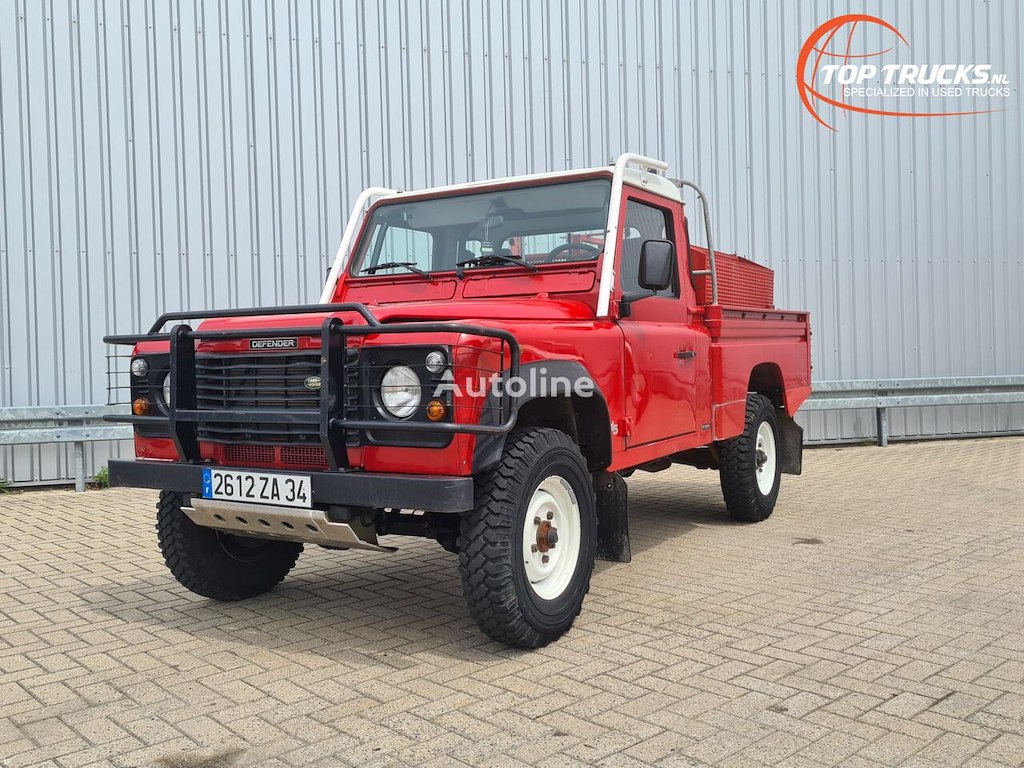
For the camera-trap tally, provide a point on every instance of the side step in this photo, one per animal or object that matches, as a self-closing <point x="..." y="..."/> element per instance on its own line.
<point x="309" y="526"/>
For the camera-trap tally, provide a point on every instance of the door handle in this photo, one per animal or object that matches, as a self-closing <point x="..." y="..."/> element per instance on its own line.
<point x="686" y="354"/>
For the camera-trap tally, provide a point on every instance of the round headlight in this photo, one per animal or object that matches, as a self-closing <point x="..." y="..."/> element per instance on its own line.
<point x="166" y="389"/>
<point x="400" y="391"/>
<point x="140" y="367"/>
<point x="435" y="361"/>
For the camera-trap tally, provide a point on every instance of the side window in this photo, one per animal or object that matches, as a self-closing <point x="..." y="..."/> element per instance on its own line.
<point x="402" y="244"/>
<point x="643" y="222"/>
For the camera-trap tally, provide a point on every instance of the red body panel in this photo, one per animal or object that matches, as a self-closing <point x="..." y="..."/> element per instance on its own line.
<point x="661" y="399"/>
<point x="742" y="340"/>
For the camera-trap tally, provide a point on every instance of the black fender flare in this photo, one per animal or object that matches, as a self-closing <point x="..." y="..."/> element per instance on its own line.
<point x="548" y="376"/>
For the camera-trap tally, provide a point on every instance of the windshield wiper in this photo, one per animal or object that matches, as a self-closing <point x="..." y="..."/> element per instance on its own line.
<point x="411" y="266"/>
<point x="493" y="259"/>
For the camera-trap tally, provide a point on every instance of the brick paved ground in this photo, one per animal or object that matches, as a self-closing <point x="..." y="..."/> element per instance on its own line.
<point x="877" y="619"/>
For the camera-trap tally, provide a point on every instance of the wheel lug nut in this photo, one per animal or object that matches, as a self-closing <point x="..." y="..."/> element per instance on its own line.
<point x="551" y="515"/>
<point x="544" y="559"/>
<point x="536" y="521"/>
<point x="533" y="547"/>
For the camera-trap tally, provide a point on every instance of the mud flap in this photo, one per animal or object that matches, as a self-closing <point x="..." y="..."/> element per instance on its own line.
<point x="612" y="517"/>
<point x="792" y="449"/>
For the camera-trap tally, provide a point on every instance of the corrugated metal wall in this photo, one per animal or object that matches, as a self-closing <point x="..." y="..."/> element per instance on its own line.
<point x="165" y="155"/>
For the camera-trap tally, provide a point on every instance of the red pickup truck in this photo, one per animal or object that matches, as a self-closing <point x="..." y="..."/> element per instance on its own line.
<point x="486" y="364"/>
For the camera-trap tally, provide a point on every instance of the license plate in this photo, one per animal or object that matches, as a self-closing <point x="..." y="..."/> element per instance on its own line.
<point x="257" y="487"/>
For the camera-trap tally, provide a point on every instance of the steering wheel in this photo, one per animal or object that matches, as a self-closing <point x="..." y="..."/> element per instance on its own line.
<point x="592" y="251"/>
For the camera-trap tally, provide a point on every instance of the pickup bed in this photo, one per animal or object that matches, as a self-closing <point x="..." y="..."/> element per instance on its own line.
<point x="486" y="365"/>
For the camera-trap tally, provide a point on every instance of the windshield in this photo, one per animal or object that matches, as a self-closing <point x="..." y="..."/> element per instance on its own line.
<point x="549" y="224"/>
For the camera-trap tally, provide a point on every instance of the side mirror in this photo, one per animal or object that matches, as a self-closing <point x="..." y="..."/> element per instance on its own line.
<point x="656" y="260"/>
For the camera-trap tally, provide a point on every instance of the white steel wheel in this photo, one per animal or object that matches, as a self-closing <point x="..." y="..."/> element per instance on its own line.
<point x="765" y="458"/>
<point x="749" y="464"/>
<point x="551" y="537"/>
<point x="526" y="549"/>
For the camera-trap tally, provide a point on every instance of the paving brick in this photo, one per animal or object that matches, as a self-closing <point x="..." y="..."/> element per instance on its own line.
<point x="905" y="705"/>
<point x="1006" y="748"/>
<point x="950" y="749"/>
<point x="892" y="748"/>
<point x="872" y="621"/>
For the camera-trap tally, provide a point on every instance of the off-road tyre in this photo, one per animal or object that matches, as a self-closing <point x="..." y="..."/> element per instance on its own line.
<point x="218" y="565"/>
<point x="745" y="498"/>
<point x="501" y="598"/>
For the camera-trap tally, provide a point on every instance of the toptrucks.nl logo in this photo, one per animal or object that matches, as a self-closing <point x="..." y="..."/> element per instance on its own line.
<point x="834" y="70"/>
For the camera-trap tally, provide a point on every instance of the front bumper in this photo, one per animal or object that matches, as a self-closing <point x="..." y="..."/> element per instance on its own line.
<point x="352" y="488"/>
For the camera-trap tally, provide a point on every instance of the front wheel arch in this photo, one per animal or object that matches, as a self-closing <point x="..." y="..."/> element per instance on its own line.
<point x="586" y="420"/>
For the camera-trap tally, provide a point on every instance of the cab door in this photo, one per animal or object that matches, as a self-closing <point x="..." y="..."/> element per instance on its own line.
<point x="662" y="349"/>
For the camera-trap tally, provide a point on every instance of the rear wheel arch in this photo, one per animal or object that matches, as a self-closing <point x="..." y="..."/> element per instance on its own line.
<point x="766" y="379"/>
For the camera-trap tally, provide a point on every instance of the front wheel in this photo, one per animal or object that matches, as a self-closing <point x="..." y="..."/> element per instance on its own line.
<point x="749" y="466"/>
<point x="215" y="564"/>
<point x="526" y="550"/>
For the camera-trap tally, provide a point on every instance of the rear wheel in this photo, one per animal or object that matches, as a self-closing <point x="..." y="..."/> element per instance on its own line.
<point x="526" y="550"/>
<point x="216" y="564"/>
<point x="749" y="466"/>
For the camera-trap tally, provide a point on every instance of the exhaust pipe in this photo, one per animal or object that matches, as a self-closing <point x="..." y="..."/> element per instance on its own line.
<point x="308" y="526"/>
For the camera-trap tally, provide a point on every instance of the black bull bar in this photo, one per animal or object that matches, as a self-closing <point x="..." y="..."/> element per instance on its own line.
<point x="183" y="416"/>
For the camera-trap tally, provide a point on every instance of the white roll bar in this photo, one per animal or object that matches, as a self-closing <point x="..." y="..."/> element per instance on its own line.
<point x="346" y="239"/>
<point x="611" y="238"/>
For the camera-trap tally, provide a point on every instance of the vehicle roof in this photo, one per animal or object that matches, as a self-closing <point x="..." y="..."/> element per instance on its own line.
<point x="634" y="177"/>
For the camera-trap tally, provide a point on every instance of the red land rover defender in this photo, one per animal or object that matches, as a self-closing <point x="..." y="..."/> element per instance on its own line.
<point x="488" y="361"/>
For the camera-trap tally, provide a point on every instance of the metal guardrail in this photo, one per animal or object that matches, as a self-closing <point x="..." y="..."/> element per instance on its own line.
<point x="75" y="424"/>
<point x="79" y="424"/>
<point x="883" y="394"/>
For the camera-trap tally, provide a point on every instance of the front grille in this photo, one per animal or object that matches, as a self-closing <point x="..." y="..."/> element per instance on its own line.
<point x="270" y="380"/>
<point x="242" y="455"/>
<point x="306" y="456"/>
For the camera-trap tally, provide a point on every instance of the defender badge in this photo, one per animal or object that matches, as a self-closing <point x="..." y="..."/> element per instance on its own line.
<point x="273" y="343"/>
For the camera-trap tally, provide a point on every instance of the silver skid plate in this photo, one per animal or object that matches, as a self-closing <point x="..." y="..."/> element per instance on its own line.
<point x="310" y="526"/>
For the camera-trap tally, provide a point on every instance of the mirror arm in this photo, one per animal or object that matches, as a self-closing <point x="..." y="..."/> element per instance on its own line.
<point x="629" y="298"/>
